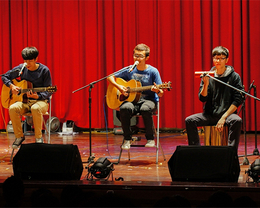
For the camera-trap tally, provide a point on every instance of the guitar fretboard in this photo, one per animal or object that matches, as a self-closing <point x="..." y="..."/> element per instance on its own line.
<point x="139" y="89"/>
<point x="40" y="89"/>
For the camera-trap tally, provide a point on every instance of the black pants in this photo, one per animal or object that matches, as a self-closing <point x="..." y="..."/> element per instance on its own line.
<point x="234" y="123"/>
<point x="146" y="109"/>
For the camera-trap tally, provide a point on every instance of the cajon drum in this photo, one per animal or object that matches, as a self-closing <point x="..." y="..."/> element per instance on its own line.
<point x="212" y="137"/>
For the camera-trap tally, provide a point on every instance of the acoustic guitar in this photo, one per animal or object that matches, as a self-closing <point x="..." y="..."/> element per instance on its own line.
<point x="8" y="98"/>
<point x="115" y="98"/>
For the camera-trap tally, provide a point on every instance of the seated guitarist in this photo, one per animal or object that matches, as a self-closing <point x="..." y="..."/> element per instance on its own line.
<point x="39" y="75"/>
<point x="146" y="75"/>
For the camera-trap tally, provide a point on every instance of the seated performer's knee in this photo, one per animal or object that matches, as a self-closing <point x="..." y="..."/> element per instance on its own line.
<point x="35" y="109"/>
<point x="237" y="123"/>
<point x="126" y="106"/>
<point x="239" y="120"/>
<point x="13" y="109"/>
<point x="188" y="120"/>
<point x="146" y="112"/>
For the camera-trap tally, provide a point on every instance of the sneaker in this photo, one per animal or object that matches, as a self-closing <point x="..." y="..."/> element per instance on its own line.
<point x="17" y="142"/>
<point x="39" y="140"/>
<point x="126" y="145"/>
<point x="150" y="143"/>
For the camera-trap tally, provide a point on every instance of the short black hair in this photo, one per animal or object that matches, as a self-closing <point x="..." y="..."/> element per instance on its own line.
<point x="30" y="53"/>
<point x="220" y="50"/>
<point x="143" y="47"/>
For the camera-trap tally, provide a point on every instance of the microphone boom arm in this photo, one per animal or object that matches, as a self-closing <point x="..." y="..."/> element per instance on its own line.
<point x="92" y="83"/>
<point x="232" y="87"/>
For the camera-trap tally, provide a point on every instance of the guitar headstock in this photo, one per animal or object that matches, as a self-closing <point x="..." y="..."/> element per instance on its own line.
<point x="166" y="85"/>
<point x="51" y="89"/>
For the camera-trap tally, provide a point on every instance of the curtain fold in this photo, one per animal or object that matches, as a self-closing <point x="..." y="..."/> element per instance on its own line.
<point x="83" y="41"/>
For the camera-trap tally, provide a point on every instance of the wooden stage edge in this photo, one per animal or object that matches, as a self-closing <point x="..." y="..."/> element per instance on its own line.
<point x="147" y="193"/>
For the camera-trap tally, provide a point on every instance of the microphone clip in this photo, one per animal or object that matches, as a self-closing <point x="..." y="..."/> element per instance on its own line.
<point x="204" y="74"/>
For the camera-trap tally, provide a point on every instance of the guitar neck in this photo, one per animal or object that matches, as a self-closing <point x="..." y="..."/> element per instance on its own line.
<point x="40" y="89"/>
<point x="139" y="89"/>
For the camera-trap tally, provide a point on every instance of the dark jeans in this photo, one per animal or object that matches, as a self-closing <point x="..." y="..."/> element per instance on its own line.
<point x="234" y="123"/>
<point x="146" y="109"/>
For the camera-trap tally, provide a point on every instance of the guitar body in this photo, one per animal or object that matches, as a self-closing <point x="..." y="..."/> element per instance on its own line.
<point x="7" y="98"/>
<point x="115" y="98"/>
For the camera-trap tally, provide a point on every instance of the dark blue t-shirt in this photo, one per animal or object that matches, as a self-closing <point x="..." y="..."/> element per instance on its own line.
<point x="41" y="77"/>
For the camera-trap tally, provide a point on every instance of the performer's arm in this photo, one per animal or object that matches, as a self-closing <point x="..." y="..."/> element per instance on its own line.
<point x="15" y="89"/>
<point x="112" y="80"/>
<point x="8" y="77"/>
<point x="121" y="88"/>
<point x="204" y="90"/>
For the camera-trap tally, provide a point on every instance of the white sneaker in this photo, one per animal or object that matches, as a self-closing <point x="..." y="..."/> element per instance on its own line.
<point x="39" y="140"/>
<point x="150" y="143"/>
<point x="126" y="145"/>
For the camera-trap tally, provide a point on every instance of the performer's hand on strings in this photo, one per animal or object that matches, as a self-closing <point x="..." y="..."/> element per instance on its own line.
<point x="155" y="88"/>
<point x="15" y="89"/>
<point x="123" y="90"/>
<point x="31" y="94"/>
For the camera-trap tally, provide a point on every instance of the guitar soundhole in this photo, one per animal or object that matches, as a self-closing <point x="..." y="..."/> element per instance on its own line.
<point x="122" y="97"/>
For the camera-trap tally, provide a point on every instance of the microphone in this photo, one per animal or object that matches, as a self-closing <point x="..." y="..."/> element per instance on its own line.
<point x="133" y="66"/>
<point x="21" y="71"/>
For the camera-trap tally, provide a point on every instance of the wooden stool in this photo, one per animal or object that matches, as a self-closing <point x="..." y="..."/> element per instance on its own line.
<point x="212" y="137"/>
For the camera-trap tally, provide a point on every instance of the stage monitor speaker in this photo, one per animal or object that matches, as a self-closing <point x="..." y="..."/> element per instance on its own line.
<point x="48" y="162"/>
<point x="204" y="164"/>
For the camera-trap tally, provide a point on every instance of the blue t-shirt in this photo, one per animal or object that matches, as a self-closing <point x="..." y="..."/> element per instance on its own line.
<point x="146" y="78"/>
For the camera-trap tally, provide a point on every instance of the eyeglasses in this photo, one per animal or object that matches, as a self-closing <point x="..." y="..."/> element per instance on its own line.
<point x="219" y="59"/>
<point x="139" y="55"/>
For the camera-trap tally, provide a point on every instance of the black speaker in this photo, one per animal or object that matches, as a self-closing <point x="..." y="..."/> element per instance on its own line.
<point x="204" y="164"/>
<point x="48" y="162"/>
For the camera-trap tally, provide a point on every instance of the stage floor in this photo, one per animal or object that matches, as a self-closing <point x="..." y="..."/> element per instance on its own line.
<point x="142" y="165"/>
<point x="141" y="171"/>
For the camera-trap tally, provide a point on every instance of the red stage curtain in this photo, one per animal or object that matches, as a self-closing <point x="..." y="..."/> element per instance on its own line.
<point x="83" y="41"/>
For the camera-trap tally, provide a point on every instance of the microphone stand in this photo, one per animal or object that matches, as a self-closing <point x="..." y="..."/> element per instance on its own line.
<point x="232" y="87"/>
<point x="245" y="162"/>
<point x="238" y="91"/>
<point x="256" y="152"/>
<point x="91" y="85"/>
